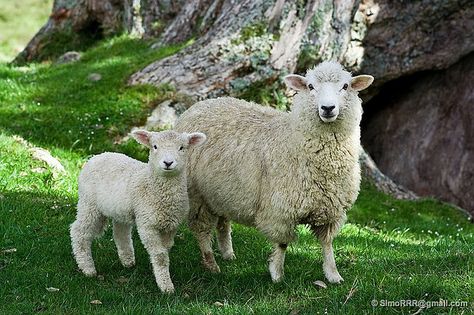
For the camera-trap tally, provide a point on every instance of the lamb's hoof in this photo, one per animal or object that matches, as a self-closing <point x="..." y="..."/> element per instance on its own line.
<point x="128" y="263"/>
<point x="334" y="278"/>
<point x="89" y="272"/>
<point x="228" y="256"/>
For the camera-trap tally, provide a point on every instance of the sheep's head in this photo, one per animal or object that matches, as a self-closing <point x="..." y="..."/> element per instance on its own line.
<point x="168" y="148"/>
<point x="329" y="86"/>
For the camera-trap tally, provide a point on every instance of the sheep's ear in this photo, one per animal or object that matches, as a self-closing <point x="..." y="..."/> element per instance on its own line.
<point x="196" y="138"/>
<point x="361" y="82"/>
<point x="142" y="136"/>
<point x="296" y="82"/>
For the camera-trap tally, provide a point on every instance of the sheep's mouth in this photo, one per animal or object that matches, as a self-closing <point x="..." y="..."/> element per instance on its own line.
<point x="328" y="118"/>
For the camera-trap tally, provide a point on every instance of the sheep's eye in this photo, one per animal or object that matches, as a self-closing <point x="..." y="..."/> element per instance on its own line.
<point x="181" y="148"/>
<point x="345" y="86"/>
<point x="310" y="86"/>
<point x="155" y="147"/>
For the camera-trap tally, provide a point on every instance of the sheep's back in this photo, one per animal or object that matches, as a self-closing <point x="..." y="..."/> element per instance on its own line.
<point x="227" y="171"/>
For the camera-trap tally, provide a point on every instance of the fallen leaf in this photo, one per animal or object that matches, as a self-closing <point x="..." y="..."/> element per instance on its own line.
<point x="51" y="289"/>
<point x="96" y="302"/>
<point x="8" y="251"/>
<point x="320" y="284"/>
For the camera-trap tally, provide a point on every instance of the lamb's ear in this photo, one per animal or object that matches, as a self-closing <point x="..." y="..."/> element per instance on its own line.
<point x="196" y="138"/>
<point x="361" y="82"/>
<point x="296" y="82"/>
<point x="142" y="136"/>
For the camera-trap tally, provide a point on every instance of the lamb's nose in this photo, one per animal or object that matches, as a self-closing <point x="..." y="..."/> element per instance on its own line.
<point x="327" y="108"/>
<point x="168" y="164"/>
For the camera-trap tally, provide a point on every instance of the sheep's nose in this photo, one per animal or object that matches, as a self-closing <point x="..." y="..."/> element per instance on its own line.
<point x="328" y="108"/>
<point x="167" y="164"/>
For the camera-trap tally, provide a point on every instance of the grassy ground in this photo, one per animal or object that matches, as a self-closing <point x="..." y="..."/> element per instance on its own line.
<point x="389" y="250"/>
<point x="19" y="21"/>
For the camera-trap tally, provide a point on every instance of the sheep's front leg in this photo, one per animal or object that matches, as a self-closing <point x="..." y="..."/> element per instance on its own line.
<point x="158" y="243"/>
<point x="277" y="262"/>
<point x="325" y="235"/>
<point x="329" y="263"/>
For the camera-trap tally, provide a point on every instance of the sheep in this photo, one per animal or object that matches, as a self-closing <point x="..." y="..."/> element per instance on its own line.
<point x="274" y="170"/>
<point x="151" y="195"/>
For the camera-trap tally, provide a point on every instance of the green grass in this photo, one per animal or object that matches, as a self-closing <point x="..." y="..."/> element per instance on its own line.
<point x="389" y="250"/>
<point x="19" y="21"/>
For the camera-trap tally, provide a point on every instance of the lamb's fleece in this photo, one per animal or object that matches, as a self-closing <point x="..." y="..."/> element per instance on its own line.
<point x="274" y="170"/>
<point x="151" y="195"/>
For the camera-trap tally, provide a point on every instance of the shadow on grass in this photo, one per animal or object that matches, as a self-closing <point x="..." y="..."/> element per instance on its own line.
<point x="60" y="106"/>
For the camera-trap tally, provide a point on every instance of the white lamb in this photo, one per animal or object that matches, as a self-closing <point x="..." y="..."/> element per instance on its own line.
<point x="275" y="170"/>
<point x="151" y="195"/>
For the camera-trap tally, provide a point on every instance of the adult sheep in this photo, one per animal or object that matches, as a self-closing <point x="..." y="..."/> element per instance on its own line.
<point x="274" y="170"/>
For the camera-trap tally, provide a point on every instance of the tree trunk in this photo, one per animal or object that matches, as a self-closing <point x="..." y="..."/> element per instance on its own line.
<point x="76" y="24"/>
<point x="240" y="44"/>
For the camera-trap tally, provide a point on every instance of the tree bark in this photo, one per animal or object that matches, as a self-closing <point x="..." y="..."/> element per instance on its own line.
<point x="241" y="43"/>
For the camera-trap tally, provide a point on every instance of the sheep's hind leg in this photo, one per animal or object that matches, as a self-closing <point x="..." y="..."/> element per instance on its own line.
<point x="202" y="226"/>
<point x="325" y="236"/>
<point x="224" y="238"/>
<point x="277" y="261"/>
<point x="124" y="243"/>
<point x="88" y="225"/>
<point x="158" y="244"/>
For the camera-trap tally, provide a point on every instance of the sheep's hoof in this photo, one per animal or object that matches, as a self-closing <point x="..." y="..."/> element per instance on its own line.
<point x="276" y="276"/>
<point x="167" y="290"/>
<point x="209" y="262"/>
<point x="334" y="278"/>
<point x="213" y="268"/>
<point x="228" y="256"/>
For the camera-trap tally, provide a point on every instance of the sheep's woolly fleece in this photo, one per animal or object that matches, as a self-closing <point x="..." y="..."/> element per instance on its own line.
<point x="274" y="170"/>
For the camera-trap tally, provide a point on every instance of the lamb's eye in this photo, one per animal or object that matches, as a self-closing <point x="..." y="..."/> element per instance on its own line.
<point x="155" y="147"/>
<point x="310" y="86"/>
<point x="345" y="86"/>
<point x="181" y="148"/>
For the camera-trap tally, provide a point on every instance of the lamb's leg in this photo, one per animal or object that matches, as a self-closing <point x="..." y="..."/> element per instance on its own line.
<point x="277" y="261"/>
<point x="88" y="225"/>
<point x="325" y="235"/>
<point x="224" y="238"/>
<point x="158" y="244"/>
<point x="124" y="243"/>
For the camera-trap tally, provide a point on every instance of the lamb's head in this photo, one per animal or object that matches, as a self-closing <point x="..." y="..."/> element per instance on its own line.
<point x="329" y="89"/>
<point x="168" y="149"/>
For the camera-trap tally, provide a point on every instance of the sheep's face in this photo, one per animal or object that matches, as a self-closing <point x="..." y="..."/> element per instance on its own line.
<point x="328" y="86"/>
<point x="168" y="149"/>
